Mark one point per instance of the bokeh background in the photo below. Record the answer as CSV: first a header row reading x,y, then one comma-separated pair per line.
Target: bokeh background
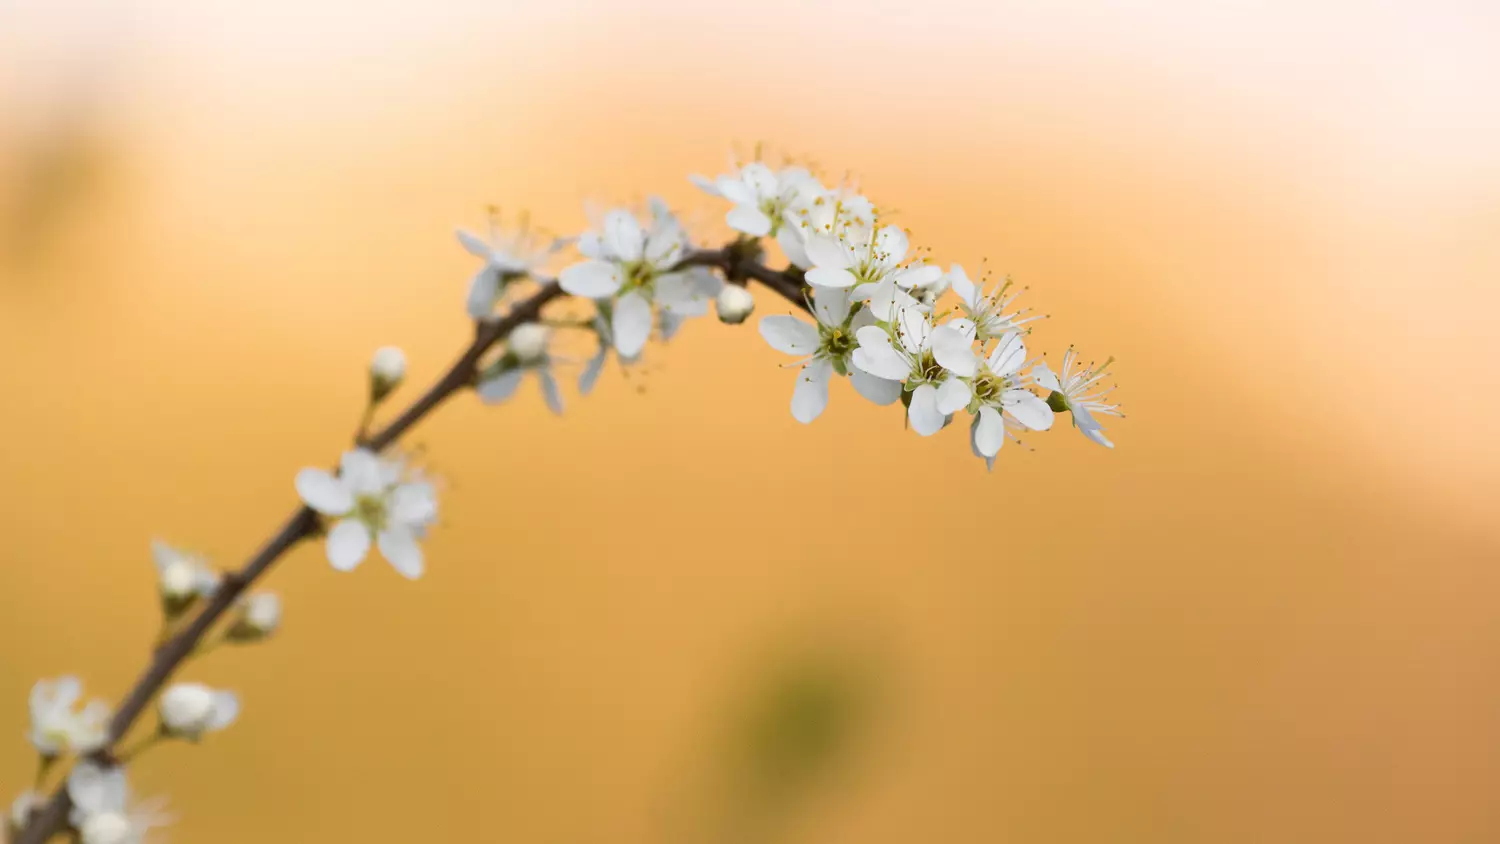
x,y
676,615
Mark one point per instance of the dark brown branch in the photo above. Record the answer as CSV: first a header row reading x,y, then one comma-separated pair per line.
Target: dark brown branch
x,y
735,261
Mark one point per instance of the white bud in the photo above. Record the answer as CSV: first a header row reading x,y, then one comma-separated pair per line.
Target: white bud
x,y
20,811
528,342
734,304
107,828
259,616
387,368
189,710
179,581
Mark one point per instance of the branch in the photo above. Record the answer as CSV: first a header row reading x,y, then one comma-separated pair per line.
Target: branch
x,y
738,261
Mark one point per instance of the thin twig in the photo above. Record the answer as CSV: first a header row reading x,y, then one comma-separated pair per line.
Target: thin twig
x,y
736,263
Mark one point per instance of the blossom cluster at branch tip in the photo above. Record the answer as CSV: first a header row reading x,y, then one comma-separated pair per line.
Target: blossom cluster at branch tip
x,y
104,811
59,725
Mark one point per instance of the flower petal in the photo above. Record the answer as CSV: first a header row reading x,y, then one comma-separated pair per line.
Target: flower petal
x,y
1008,355
923,413
323,492
483,291
1045,377
348,543
811,394
952,396
918,276
1097,435
704,184
891,244
501,387
631,324
591,370
1027,409
825,252
954,351
623,236
790,241
989,435
414,503
881,391
830,277
226,708
550,393
399,547
735,190
789,335
748,219
958,279
591,279
475,245
759,178
831,305
913,329
876,356
363,472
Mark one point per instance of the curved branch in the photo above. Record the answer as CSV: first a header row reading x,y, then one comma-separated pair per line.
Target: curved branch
x,y
736,262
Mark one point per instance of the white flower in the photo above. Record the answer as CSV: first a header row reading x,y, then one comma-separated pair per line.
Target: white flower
x,y
259,616
734,304
373,500
387,369
58,726
987,312
188,710
826,348
869,259
1071,392
526,352
924,357
762,196
820,214
999,392
101,807
181,577
507,255
626,263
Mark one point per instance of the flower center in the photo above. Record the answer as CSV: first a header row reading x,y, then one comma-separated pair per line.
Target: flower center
x,y
370,509
925,368
638,276
838,343
988,387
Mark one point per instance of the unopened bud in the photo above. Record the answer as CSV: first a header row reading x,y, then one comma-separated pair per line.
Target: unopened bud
x,y
734,304
259,616
182,579
21,811
188,710
107,828
528,342
387,369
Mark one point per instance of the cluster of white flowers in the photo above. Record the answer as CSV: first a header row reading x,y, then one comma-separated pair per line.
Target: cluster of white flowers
x,y
102,807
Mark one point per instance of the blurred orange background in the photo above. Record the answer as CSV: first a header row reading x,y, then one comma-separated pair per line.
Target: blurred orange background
x,y
1268,615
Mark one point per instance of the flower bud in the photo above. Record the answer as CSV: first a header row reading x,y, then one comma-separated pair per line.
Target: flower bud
x,y
734,304
528,342
107,828
188,710
21,810
259,616
182,579
387,369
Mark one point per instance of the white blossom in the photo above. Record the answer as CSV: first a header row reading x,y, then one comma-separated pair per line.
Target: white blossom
x,y
871,261
182,577
912,350
821,214
59,726
987,311
999,393
527,352
387,369
102,813
1072,390
372,499
188,710
507,256
628,268
734,304
258,615
762,196
826,348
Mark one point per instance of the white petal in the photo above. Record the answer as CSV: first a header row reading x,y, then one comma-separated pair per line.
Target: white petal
x,y
759,178
876,356
363,472
954,351
1045,377
924,415
704,184
591,279
958,279
482,292
830,277
96,790
825,252
550,393
323,492
735,190
887,300
831,305
952,396
501,387
881,391
1027,409
811,394
665,243
399,547
1097,435
789,335
631,324
475,245
226,708
891,243
790,241
1008,355
414,503
749,219
989,436
918,276
913,329
623,236
348,543
591,371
